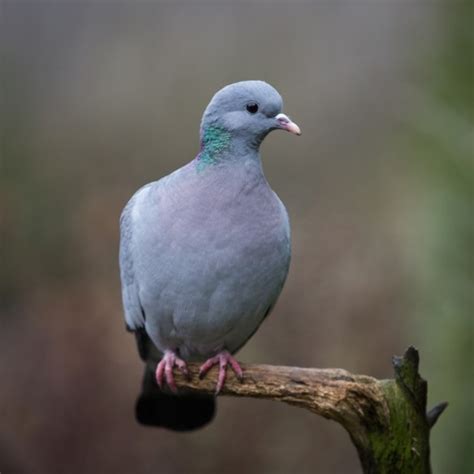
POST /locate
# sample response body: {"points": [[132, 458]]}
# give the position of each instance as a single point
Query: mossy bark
{"points": [[386, 419], [402, 445]]}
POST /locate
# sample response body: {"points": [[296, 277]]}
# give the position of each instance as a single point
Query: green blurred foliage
{"points": [[440, 151]]}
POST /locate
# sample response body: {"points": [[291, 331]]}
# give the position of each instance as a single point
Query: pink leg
{"points": [[165, 367], [224, 359]]}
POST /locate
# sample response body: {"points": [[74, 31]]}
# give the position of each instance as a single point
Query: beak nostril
{"points": [[286, 124]]}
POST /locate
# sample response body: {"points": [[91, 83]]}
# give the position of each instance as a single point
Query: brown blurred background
{"points": [[99, 98]]}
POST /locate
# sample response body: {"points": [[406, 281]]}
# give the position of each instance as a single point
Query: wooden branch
{"points": [[386, 419]]}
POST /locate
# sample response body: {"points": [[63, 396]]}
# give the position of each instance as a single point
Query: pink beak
{"points": [[286, 124]]}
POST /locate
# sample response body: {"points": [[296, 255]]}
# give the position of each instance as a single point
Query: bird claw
{"points": [[164, 370], [224, 359]]}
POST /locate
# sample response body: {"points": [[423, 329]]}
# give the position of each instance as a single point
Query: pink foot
{"points": [[165, 368], [223, 359]]}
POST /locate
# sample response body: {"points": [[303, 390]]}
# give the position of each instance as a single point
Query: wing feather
{"points": [[134, 314]]}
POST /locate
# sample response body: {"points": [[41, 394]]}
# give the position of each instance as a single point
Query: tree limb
{"points": [[386, 419]]}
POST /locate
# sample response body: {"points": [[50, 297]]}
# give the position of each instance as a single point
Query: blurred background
{"points": [[98, 98]]}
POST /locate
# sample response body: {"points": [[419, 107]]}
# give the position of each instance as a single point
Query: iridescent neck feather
{"points": [[215, 140]]}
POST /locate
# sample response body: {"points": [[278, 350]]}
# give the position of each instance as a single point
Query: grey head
{"points": [[244, 113]]}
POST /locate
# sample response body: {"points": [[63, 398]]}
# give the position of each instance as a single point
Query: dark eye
{"points": [[252, 107]]}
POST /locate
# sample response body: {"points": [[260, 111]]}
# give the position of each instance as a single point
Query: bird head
{"points": [[246, 111]]}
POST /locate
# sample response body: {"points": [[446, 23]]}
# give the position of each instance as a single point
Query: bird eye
{"points": [[252, 108]]}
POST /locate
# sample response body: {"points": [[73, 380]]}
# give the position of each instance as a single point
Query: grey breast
{"points": [[210, 254]]}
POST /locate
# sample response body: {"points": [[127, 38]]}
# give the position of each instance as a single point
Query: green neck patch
{"points": [[214, 141]]}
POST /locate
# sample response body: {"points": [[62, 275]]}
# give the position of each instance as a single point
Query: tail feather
{"points": [[182, 412]]}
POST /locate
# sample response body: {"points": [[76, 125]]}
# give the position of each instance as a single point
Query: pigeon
{"points": [[204, 255]]}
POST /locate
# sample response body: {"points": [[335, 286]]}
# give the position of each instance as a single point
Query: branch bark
{"points": [[386, 419]]}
